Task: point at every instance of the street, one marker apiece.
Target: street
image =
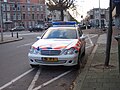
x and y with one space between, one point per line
16 73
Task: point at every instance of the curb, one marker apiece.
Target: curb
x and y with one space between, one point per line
7 41
81 77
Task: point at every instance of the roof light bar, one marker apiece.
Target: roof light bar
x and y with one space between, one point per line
64 23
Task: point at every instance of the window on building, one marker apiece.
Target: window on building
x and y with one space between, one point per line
102 12
42 16
33 8
19 16
28 8
4 16
8 16
28 1
8 7
38 9
18 7
23 16
91 16
5 0
14 16
11 0
102 16
33 16
37 16
29 23
41 8
23 7
13 7
3 7
29 15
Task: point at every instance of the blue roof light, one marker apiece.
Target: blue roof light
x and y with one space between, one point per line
71 23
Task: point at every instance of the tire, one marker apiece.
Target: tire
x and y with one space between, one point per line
34 66
78 62
83 54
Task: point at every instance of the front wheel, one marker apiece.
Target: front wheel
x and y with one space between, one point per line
83 54
78 62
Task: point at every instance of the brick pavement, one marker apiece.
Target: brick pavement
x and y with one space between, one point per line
97 77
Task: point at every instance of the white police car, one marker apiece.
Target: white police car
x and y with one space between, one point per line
62 44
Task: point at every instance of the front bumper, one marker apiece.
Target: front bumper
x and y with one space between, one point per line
65 60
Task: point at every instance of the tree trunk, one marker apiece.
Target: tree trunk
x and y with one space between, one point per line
62 15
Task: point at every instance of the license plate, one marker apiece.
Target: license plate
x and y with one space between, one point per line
50 59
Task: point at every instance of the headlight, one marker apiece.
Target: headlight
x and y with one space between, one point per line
69 51
34 51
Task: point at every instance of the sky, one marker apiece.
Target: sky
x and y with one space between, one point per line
85 5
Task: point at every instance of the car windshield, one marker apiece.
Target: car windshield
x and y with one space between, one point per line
60 34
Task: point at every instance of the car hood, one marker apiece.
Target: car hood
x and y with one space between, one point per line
55 43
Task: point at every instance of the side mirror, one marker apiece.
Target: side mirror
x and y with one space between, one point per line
83 37
38 37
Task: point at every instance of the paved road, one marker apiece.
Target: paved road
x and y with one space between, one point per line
16 74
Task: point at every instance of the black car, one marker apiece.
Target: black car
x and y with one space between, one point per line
30 28
17 28
36 28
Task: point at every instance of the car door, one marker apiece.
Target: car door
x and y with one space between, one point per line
82 40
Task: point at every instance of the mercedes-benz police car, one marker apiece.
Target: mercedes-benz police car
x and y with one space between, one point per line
62 44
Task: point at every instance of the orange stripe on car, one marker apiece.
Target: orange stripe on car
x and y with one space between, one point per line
59 47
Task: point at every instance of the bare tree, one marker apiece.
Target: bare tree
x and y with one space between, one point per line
60 5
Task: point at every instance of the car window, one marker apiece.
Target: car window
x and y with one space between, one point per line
60 34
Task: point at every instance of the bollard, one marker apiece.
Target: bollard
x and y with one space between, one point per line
17 34
12 33
118 39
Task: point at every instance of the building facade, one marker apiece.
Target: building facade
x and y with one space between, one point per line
22 13
116 14
98 17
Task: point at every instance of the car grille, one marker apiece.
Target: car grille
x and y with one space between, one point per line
46 62
50 52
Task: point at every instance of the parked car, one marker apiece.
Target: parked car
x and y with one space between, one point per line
17 28
82 27
59 45
30 28
38 27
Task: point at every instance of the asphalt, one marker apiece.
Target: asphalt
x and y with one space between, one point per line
95 76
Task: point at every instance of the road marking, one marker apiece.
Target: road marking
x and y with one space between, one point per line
52 80
24 45
91 36
88 47
34 80
91 43
17 78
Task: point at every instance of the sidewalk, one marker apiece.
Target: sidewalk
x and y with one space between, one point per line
95 76
7 39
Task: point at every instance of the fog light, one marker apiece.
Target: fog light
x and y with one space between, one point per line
70 61
31 60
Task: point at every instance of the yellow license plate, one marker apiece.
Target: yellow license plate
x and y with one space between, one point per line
50 59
